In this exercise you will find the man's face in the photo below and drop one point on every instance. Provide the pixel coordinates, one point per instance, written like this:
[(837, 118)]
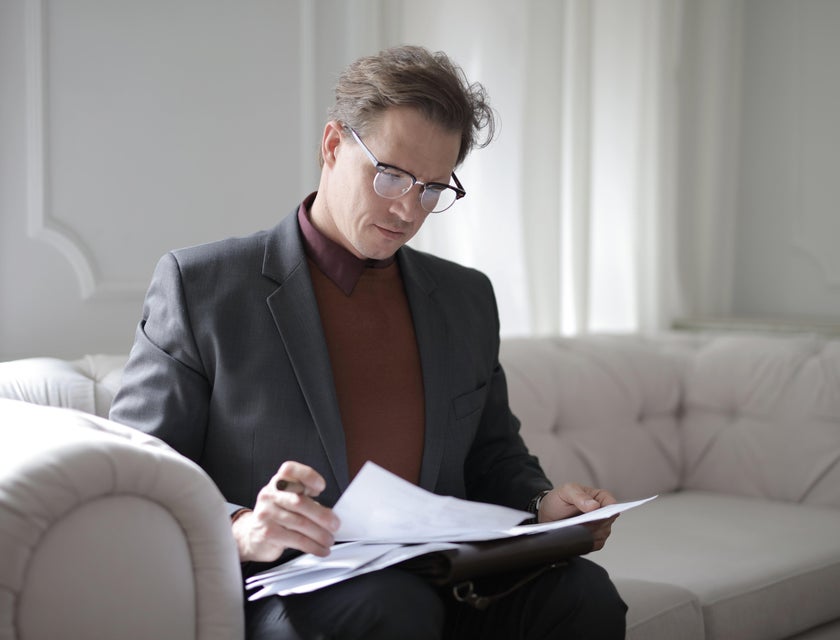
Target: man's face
[(352, 214)]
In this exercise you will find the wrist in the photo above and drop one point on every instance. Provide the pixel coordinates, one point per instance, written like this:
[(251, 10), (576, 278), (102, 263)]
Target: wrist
[(536, 501), (238, 514), (241, 533)]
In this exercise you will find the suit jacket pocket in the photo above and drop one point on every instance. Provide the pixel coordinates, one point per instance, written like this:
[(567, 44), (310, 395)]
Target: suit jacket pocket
[(467, 410), (470, 405)]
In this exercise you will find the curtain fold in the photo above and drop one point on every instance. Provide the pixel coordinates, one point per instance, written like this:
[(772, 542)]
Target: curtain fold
[(572, 211)]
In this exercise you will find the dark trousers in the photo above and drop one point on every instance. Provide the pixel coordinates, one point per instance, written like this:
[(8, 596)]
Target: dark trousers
[(575, 601)]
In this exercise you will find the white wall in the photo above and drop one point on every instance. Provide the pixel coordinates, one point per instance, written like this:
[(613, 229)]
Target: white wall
[(130, 128), (787, 260)]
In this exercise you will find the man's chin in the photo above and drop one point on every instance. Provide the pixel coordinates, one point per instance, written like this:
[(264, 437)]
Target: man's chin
[(377, 252)]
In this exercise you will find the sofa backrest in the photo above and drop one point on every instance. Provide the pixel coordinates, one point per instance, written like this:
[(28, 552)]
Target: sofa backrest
[(761, 417), (87, 384), (601, 410), (744, 414)]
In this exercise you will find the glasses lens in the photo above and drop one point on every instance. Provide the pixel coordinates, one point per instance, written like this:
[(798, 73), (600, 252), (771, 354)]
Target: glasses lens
[(390, 183), (437, 198)]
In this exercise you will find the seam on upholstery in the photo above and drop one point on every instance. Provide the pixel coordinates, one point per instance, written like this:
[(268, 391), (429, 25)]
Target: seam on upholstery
[(527, 382), (690, 468), (595, 357), (812, 570), (675, 465), (587, 464), (819, 478), (756, 591), (693, 602)]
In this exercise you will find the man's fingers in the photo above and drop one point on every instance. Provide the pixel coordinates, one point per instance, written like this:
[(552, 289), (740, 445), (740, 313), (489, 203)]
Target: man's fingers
[(289, 520), (577, 496), (299, 478), (287, 517), (295, 532), (292, 486), (296, 540), (263, 541), (586, 498), (287, 502), (601, 530), (316, 522)]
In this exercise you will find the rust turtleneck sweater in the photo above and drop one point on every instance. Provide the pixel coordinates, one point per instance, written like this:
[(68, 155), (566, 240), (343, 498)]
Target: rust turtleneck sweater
[(373, 352)]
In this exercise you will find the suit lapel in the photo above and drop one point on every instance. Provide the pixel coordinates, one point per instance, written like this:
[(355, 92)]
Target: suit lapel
[(430, 329), (295, 312)]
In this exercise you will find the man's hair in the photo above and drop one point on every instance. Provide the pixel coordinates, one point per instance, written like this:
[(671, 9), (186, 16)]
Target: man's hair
[(410, 76)]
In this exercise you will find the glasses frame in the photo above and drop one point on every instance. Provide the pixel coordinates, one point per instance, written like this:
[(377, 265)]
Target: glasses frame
[(382, 166)]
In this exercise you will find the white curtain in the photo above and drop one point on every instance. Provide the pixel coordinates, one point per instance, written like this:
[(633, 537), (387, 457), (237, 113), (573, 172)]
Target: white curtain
[(571, 211), (487, 229)]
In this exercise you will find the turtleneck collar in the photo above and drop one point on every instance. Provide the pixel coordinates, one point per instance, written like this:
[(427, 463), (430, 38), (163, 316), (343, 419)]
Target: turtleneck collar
[(334, 261)]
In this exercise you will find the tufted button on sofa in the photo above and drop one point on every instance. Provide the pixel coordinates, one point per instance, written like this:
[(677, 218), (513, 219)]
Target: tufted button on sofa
[(739, 435)]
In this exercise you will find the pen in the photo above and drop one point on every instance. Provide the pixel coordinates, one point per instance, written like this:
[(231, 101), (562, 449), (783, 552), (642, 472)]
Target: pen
[(291, 485)]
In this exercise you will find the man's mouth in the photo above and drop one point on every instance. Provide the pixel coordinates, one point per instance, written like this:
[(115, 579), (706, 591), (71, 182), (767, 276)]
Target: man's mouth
[(389, 233)]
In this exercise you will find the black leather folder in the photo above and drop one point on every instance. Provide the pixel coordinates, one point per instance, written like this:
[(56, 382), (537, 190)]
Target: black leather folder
[(472, 560)]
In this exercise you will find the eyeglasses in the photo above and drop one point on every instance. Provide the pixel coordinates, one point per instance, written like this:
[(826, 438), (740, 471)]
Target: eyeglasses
[(392, 182)]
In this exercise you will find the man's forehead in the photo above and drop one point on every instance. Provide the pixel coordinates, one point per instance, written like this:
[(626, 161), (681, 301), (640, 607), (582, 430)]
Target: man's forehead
[(406, 135)]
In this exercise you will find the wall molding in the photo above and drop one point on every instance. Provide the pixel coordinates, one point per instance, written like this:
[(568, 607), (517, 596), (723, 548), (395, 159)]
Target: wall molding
[(43, 215), (41, 224)]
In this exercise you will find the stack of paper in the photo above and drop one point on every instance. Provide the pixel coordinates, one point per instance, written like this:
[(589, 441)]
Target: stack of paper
[(386, 520)]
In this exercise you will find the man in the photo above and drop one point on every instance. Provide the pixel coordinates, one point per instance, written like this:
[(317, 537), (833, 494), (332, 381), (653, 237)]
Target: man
[(298, 353)]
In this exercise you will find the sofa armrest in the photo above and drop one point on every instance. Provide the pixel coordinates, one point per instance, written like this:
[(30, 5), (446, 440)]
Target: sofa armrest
[(106, 532)]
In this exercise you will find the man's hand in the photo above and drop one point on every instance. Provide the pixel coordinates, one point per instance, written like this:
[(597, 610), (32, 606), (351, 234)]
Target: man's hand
[(572, 499), (286, 518)]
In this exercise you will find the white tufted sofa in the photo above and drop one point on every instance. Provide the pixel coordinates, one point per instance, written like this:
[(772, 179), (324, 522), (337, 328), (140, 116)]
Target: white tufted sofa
[(739, 435), (105, 532)]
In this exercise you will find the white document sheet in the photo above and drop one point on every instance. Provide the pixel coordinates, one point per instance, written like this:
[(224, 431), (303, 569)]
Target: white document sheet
[(592, 516), (382, 507), (385, 520), (308, 573)]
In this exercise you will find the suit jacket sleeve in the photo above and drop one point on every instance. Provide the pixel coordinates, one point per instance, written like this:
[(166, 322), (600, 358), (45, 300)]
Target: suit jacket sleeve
[(164, 390), (499, 468)]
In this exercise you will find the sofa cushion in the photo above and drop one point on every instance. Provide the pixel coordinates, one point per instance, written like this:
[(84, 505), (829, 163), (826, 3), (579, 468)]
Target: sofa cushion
[(830, 631), (747, 560), (657, 610), (762, 418), (597, 409)]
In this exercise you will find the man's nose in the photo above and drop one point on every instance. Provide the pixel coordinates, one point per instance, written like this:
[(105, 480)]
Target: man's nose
[(407, 206)]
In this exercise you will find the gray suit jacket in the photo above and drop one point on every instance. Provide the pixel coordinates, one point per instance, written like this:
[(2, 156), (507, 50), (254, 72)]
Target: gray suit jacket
[(230, 367)]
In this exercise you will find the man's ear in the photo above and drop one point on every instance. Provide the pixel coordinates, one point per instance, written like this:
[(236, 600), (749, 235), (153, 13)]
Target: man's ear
[(330, 141)]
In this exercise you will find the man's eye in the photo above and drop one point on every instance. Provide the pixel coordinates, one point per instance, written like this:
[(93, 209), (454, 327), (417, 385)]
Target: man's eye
[(394, 177)]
